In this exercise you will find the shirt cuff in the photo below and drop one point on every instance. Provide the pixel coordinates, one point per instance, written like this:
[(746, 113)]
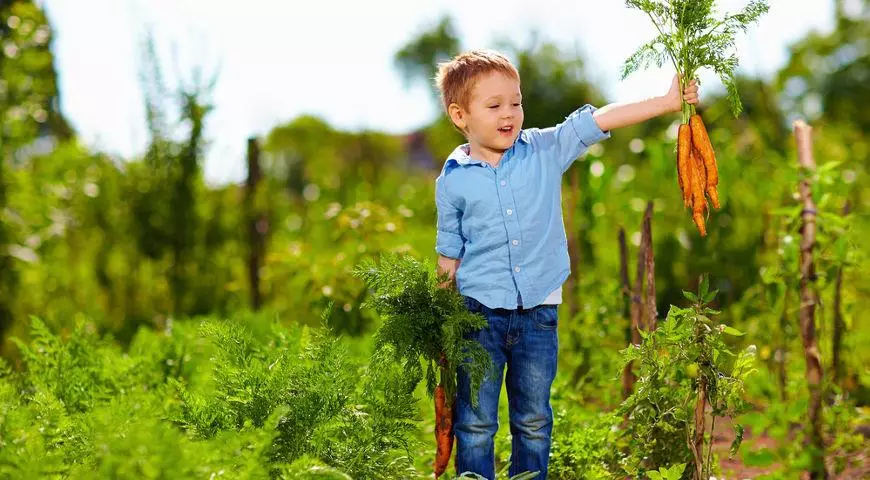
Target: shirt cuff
[(585, 126), (448, 244)]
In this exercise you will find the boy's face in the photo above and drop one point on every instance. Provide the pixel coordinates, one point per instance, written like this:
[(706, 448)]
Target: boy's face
[(495, 112)]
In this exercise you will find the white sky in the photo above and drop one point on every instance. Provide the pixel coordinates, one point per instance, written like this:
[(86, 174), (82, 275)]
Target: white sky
[(334, 58)]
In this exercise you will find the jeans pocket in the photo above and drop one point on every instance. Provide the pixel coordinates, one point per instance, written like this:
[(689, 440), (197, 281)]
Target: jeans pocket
[(547, 317), (473, 305)]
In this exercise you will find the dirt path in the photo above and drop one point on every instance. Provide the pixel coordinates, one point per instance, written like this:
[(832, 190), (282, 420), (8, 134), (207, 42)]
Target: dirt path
[(857, 463)]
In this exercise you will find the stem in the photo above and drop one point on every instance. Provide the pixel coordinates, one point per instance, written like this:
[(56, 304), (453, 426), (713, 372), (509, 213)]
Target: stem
[(673, 57), (710, 446)]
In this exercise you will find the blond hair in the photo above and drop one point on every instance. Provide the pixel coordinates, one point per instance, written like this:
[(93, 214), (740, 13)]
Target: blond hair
[(456, 78)]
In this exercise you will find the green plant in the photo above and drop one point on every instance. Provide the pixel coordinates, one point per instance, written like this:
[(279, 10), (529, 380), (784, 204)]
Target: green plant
[(685, 366)]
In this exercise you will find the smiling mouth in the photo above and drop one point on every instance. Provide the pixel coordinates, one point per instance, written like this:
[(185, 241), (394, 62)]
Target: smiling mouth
[(506, 130)]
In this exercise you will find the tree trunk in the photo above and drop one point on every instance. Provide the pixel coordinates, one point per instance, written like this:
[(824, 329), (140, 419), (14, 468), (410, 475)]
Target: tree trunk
[(628, 377), (803, 136), (256, 223)]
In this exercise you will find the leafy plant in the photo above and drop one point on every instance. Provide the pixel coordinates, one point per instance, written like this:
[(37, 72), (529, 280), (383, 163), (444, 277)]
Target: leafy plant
[(684, 366)]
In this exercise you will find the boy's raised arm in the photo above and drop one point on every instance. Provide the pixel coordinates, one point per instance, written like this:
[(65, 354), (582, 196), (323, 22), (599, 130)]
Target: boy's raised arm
[(617, 115)]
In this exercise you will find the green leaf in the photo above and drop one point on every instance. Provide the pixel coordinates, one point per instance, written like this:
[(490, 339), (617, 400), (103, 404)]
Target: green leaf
[(738, 439), (676, 471), (733, 331), (653, 475), (710, 296), (690, 296), (704, 287)]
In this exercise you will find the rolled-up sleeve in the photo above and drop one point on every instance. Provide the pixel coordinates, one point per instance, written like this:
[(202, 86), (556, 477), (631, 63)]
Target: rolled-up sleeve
[(448, 241), (571, 138)]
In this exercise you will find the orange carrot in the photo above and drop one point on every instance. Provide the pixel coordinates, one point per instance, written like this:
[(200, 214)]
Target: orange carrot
[(684, 169), (699, 203), (443, 431), (713, 193), (702, 142)]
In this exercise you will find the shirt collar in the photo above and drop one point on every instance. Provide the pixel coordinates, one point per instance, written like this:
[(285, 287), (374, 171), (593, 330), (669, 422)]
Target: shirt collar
[(462, 156)]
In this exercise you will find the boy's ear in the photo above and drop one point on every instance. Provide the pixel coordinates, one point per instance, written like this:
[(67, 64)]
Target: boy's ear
[(457, 115)]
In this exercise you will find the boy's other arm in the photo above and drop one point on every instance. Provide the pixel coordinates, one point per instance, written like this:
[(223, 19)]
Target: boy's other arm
[(617, 115), (449, 242)]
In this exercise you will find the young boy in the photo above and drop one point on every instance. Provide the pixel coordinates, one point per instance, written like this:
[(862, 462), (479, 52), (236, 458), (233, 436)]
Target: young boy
[(501, 239)]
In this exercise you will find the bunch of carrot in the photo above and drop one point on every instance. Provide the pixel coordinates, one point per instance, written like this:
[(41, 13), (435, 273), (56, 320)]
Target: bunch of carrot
[(692, 35), (697, 172)]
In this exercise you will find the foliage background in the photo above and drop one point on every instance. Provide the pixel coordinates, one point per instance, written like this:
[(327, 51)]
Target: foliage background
[(121, 260)]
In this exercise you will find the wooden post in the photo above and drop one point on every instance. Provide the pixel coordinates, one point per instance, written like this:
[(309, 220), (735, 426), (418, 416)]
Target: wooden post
[(803, 137), (650, 266), (628, 377), (257, 223)]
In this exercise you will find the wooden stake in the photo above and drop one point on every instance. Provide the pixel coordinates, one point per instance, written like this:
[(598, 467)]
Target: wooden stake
[(803, 137), (650, 266)]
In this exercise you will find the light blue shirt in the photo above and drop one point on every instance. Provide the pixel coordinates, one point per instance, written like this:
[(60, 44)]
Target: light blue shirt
[(505, 223)]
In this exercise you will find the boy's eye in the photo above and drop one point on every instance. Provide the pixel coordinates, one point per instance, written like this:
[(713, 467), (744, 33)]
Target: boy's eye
[(493, 106), (517, 104)]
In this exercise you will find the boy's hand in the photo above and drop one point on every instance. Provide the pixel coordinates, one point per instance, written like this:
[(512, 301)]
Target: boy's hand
[(448, 266), (690, 94)]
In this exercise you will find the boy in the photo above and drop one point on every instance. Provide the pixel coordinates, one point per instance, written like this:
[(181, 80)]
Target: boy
[(501, 238)]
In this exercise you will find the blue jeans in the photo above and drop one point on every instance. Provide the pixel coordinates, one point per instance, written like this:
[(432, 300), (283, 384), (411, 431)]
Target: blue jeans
[(526, 342)]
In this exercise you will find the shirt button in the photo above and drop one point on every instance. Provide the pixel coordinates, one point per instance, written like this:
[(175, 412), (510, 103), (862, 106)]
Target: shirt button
[(516, 242), (503, 183), (516, 269), (510, 212)]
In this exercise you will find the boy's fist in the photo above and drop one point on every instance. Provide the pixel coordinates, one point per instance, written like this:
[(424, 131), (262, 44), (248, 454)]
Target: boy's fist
[(448, 266), (690, 94)]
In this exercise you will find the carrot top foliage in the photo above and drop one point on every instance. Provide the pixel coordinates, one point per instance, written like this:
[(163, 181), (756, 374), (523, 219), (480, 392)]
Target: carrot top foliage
[(693, 35), (422, 322)]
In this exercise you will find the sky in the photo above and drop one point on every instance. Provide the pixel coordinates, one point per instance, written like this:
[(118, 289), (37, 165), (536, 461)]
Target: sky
[(278, 59)]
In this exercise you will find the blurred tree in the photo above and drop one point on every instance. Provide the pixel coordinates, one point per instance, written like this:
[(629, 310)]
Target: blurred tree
[(419, 59), (166, 204), (29, 110), (828, 75)]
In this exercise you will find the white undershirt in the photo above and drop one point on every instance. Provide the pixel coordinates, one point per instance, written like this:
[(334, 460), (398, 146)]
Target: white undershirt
[(554, 298)]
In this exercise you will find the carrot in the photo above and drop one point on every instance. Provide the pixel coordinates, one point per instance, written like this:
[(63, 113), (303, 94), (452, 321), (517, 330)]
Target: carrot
[(443, 431), (713, 193), (702, 142), (699, 203), (705, 150), (684, 169)]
